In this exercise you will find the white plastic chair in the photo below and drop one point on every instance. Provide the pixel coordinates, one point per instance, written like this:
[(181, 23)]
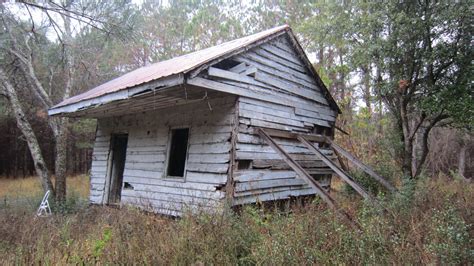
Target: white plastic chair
[(44, 209)]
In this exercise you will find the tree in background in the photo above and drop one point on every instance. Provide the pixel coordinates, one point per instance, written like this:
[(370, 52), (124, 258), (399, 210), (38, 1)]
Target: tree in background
[(21, 45), (425, 53), (405, 65), (413, 56)]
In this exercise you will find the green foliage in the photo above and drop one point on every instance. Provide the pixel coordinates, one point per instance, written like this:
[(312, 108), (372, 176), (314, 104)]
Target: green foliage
[(367, 182), (100, 244), (85, 130), (72, 204), (449, 236)]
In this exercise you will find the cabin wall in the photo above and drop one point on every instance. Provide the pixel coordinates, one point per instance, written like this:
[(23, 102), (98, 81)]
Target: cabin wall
[(207, 165), (261, 173)]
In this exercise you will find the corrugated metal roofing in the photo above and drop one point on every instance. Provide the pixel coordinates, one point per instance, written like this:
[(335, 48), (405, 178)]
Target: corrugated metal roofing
[(181, 64)]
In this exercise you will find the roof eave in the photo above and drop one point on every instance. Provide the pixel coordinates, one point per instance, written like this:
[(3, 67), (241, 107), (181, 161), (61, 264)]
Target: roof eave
[(162, 83)]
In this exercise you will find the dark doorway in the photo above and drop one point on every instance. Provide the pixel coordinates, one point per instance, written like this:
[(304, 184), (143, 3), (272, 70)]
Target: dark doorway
[(178, 152), (119, 152)]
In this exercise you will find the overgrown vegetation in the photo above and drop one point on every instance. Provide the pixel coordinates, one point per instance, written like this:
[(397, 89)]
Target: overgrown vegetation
[(432, 225)]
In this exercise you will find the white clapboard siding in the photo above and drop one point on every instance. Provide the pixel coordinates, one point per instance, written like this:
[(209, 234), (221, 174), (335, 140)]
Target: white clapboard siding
[(171, 197), (207, 178), (255, 175), (256, 185), (278, 67), (208, 158), (210, 124), (198, 194), (273, 195)]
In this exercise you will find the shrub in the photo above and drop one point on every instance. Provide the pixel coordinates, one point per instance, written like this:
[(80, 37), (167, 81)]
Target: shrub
[(448, 238)]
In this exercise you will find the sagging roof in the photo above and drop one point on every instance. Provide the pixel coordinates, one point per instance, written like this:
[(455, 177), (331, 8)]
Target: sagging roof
[(181, 65)]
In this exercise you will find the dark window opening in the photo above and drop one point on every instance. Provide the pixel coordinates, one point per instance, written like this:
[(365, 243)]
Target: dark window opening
[(319, 130), (244, 164), (226, 64), (178, 152)]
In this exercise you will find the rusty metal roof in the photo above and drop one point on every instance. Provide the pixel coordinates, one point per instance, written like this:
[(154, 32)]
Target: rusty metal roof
[(180, 64)]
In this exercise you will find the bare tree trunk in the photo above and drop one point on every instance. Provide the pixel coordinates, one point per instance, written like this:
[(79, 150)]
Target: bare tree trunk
[(407, 142), (424, 143), (27, 131), (60, 162), (462, 160), (61, 138), (367, 94)]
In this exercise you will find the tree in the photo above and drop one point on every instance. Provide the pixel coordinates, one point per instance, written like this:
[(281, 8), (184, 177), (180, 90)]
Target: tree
[(19, 42), (414, 56), (425, 70)]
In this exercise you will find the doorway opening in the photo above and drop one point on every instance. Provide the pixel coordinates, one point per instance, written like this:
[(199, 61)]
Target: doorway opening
[(119, 152), (177, 152)]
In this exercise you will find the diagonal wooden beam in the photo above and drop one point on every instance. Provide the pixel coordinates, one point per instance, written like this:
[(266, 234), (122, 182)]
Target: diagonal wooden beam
[(362, 166), (290, 135), (307, 177), (341, 173)]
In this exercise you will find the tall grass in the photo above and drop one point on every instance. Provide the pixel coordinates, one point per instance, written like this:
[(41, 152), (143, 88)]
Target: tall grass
[(431, 226), (26, 193)]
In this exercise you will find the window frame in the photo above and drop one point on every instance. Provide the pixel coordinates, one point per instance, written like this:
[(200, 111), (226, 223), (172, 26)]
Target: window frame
[(165, 175)]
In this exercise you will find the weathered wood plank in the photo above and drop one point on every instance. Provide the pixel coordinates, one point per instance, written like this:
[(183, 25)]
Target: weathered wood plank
[(157, 173), (255, 175), (304, 175), (213, 148), (170, 198), (289, 148), (177, 191), (208, 167), (249, 91), (202, 177), (159, 181), (256, 185), (208, 158), (291, 88), (271, 196), (307, 82), (283, 54), (239, 68), (208, 138), (349, 180), (147, 158), (252, 155), (220, 73), (293, 74), (269, 118), (282, 61), (144, 166)]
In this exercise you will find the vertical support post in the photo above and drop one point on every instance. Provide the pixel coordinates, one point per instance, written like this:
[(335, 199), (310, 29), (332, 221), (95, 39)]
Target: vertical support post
[(229, 188)]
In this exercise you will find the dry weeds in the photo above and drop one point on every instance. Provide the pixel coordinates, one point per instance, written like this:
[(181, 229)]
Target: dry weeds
[(431, 226)]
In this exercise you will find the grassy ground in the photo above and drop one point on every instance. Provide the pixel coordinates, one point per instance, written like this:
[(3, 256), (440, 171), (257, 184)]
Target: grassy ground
[(431, 223), (27, 192)]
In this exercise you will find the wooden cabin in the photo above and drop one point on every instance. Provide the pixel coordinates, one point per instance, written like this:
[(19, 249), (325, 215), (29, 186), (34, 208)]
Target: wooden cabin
[(230, 123)]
